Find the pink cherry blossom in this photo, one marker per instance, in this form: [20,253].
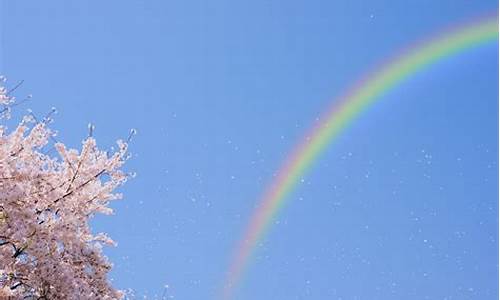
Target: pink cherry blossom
[47,250]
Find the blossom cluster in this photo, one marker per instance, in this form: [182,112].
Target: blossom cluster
[48,193]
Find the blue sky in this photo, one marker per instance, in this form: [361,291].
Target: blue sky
[403,206]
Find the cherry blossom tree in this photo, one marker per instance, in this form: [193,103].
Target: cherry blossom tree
[47,250]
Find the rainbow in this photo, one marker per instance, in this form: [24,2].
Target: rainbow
[343,112]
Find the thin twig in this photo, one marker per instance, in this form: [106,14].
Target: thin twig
[15,87]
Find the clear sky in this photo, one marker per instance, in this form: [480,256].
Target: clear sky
[403,206]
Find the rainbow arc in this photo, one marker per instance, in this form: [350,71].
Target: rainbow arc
[342,113]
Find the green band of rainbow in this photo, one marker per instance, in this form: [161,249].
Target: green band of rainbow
[343,112]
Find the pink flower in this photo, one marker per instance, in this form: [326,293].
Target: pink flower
[46,246]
